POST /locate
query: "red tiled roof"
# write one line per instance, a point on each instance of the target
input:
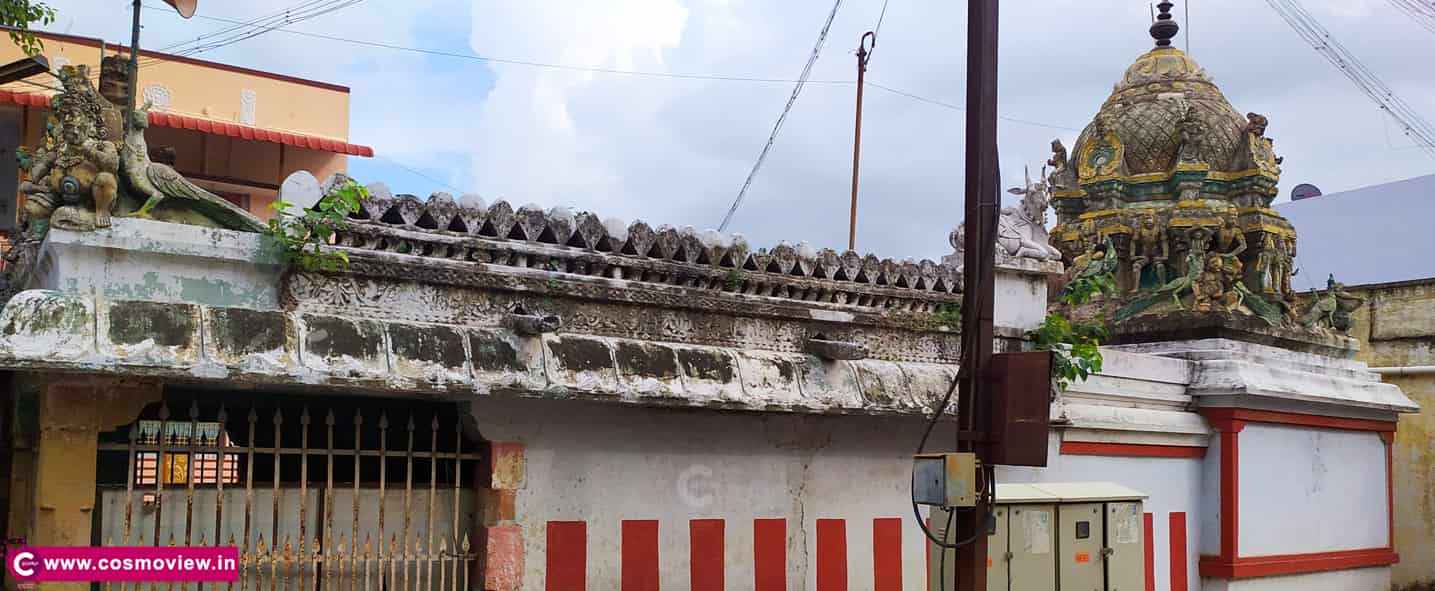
(213, 127)
(29, 99)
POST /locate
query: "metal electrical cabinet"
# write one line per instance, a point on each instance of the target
(1080, 536)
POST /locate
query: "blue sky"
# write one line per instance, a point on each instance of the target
(440, 170)
(675, 151)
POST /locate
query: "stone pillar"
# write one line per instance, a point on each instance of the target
(72, 412)
(503, 560)
(1021, 291)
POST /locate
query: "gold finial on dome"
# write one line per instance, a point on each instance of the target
(1165, 26)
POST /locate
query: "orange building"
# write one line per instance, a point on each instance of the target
(235, 131)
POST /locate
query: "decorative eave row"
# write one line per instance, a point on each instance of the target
(1184, 214)
(1165, 185)
(561, 241)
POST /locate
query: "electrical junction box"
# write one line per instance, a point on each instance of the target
(1078, 536)
(1020, 404)
(945, 479)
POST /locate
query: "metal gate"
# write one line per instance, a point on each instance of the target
(344, 494)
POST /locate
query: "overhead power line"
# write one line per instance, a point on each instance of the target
(284, 18)
(418, 174)
(1311, 30)
(238, 31)
(877, 31)
(772, 137)
(238, 26)
(1420, 11)
(961, 108)
(496, 60)
(599, 70)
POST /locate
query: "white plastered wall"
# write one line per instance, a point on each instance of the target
(1300, 487)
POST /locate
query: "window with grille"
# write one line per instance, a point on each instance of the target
(208, 468)
(316, 491)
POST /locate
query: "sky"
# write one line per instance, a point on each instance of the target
(676, 150)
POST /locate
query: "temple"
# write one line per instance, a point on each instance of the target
(484, 396)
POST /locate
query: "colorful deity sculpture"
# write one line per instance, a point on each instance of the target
(1181, 182)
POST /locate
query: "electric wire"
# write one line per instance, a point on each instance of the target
(986, 244)
(876, 33)
(243, 30)
(257, 30)
(781, 119)
(535, 64)
(238, 26)
(1420, 11)
(961, 108)
(600, 70)
(419, 174)
(1308, 28)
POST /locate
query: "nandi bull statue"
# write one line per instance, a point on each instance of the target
(1021, 231)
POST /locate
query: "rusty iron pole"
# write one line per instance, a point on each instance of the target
(862, 53)
(133, 68)
(981, 203)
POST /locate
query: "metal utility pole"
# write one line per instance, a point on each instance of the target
(862, 52)
(185, 8)
(982, 194)
(134, 68)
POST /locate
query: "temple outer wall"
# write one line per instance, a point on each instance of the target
(1173, 504)
(1396, 329)
(587, 476)
(597, 492)
(1323, 473)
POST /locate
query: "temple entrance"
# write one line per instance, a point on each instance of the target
(317, 493)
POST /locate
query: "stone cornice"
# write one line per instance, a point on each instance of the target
(51, 331)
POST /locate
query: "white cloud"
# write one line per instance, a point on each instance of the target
(676, 151)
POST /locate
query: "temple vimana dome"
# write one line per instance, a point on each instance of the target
(1168, 189)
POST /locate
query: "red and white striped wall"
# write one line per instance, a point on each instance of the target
(719, 554)
(757, 554)
(1174, 544)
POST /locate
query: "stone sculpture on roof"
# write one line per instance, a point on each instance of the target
(85, 172)
(1181, 183)
(1021, 230)
(1331, 309)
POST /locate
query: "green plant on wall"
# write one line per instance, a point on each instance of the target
(21, 14)
(948, 315)
(301, 237)
(1075, 345)
(1081, 289)
(732, 281)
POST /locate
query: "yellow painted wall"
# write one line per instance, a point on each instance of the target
(1397, 328)
(212, 91)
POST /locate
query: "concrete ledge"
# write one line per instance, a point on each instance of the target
(239, 347)
(136, 259)
(1231, 373)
